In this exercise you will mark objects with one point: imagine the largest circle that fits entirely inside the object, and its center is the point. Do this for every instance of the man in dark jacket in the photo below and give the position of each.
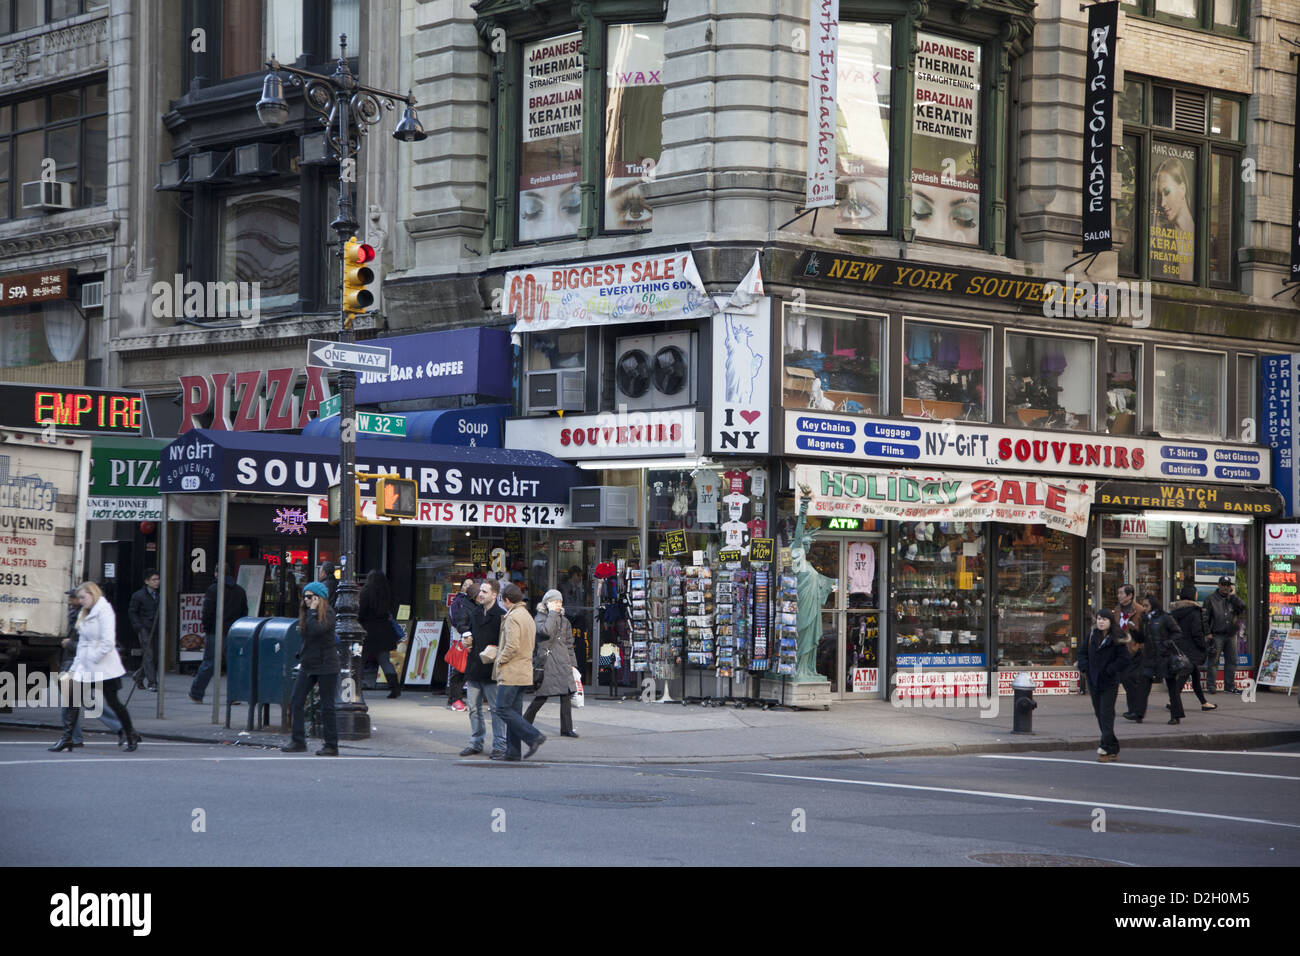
(1187, 613)
(1223, 611)
(143, 611)
(1131, 624)
(236, 606)
(485, 631)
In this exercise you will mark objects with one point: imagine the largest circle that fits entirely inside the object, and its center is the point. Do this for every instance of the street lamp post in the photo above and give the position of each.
(347, 108)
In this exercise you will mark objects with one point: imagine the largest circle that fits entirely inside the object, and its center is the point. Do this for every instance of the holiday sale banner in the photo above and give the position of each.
(937, 496)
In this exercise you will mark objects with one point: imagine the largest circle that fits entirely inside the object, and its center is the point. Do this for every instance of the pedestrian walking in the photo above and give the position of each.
(319, 665)
(1191, 624)
(461, 617)
(1223, 612)
(70, 714)
(374, 613)
(1103, 659)
(554, 657)
(327, 577)
(1159, 654)
(143, 612)
(513, 672)
(236, 606)
(485, 631)
(96, 662)
(1131, 621)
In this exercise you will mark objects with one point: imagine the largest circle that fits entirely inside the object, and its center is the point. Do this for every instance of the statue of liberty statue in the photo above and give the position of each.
(813, 590)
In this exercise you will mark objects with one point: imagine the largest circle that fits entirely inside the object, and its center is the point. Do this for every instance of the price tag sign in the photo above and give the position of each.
(478, 551)
(675, 542)
(729, 554)
(760, 549)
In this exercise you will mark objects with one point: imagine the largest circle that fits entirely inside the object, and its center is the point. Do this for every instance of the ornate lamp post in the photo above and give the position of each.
(347, 108)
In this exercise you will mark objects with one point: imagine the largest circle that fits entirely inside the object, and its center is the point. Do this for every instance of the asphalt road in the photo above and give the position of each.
(194, 805)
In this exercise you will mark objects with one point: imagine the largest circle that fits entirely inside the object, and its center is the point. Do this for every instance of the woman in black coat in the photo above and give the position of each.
(1187, 613)
(1162, 639)
(319, 657)
(1103, 658)
(374, 607)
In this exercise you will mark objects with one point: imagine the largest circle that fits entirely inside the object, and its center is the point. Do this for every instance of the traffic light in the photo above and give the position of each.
(395, 498)
(357, 275)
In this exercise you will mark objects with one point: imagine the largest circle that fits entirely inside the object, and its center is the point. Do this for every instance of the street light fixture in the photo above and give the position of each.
(346, 108)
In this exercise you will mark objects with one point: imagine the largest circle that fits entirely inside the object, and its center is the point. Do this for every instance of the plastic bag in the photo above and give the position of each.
(577, 696)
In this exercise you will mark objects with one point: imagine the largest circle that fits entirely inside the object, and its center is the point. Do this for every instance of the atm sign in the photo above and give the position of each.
(92, 410)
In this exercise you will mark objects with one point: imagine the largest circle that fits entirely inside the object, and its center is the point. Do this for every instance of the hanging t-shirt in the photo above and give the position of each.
(862, 567)
(735, 532)
(757, 528)
(707, 489)
(735, 480)
(735, 505)
(757, 481)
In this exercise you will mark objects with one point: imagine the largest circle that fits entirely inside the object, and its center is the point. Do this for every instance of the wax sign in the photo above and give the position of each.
(639, 289)
(741, 416)
(936, 496)
(965, 445)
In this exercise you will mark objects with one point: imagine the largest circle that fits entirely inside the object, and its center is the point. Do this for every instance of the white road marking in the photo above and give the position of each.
(1024, 798)
(1140, 766)
(96, 743)
(1237, 753)
(131, 758)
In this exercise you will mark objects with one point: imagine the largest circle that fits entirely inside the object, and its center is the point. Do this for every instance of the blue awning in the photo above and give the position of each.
(479, 426)
(207, 460)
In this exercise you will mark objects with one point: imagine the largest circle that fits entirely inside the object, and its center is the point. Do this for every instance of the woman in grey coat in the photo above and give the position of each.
(554, 657)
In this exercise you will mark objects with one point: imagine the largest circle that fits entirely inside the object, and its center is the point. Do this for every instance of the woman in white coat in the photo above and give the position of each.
(97, 661)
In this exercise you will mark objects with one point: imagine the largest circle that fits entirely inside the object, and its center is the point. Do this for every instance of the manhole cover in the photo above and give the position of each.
(1037, 859)
(1118, 826)
(618, 797)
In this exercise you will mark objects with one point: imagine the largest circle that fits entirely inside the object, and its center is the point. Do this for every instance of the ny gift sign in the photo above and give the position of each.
(937, 496)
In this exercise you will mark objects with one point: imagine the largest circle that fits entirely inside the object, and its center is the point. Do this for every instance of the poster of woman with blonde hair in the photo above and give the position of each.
(1173, 230)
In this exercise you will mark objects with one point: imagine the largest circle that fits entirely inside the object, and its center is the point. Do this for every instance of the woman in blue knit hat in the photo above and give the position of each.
(319, 658)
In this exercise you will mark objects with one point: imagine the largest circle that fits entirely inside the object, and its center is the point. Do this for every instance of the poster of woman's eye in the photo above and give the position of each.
(1172, 249)
(550, 161)
(633, 121)
(862, 125)
(945, 140)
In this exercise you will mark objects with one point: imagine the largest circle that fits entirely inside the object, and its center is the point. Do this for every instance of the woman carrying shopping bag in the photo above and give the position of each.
(554, 658)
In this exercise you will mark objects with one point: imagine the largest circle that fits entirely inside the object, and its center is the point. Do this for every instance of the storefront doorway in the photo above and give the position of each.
(848, 652)
(1141, 563)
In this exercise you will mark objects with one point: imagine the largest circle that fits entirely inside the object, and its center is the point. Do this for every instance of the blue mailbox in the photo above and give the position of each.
(277, 657)
(241, 661)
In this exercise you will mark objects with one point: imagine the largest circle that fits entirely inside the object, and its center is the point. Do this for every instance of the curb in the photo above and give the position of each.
(1228, 740)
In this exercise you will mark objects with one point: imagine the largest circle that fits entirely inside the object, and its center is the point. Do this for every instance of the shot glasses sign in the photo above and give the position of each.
(675, 542)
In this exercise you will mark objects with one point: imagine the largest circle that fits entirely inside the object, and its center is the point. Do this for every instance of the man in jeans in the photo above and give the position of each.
(514, 674)
(1222, 611)
(484, 630)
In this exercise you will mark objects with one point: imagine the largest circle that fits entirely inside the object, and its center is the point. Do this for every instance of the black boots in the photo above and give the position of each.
(64, 743)
(132, 741)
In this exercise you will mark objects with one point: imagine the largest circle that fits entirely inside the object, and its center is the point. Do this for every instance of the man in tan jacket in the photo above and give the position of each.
(513, 673)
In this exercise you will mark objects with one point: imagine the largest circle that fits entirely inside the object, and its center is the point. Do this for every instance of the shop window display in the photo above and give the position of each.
(1049, 382)
(445, 557)
(1123, 366)
(944, 371)
(833, 361)
(939, 593)
(1036, 623)
(1189, 394)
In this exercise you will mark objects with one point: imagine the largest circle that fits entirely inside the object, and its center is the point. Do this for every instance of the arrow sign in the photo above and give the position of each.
(357, 358)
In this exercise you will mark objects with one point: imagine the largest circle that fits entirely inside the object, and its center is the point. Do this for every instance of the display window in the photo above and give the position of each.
(945, 371)
(707, 509)
(1123, 388)
(1036, 597)
(563, 348)
(445, 557)
(1190, 392)
(1050, 382)
(834, 360)
(938, 581)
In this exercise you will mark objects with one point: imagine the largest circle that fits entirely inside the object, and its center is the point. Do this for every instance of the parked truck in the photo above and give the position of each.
(44, 490)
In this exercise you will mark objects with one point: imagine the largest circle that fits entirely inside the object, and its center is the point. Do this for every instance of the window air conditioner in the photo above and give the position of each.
(603, 506)
(92, 295)
(557, 390)
(45, 194)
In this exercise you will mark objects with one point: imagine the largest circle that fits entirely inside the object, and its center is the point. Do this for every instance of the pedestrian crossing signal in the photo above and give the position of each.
(396, 498)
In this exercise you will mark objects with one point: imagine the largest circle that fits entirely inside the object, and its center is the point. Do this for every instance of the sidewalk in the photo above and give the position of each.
(632, 732)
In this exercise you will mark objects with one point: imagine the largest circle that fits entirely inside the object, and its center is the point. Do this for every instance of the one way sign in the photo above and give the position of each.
(358, 358)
